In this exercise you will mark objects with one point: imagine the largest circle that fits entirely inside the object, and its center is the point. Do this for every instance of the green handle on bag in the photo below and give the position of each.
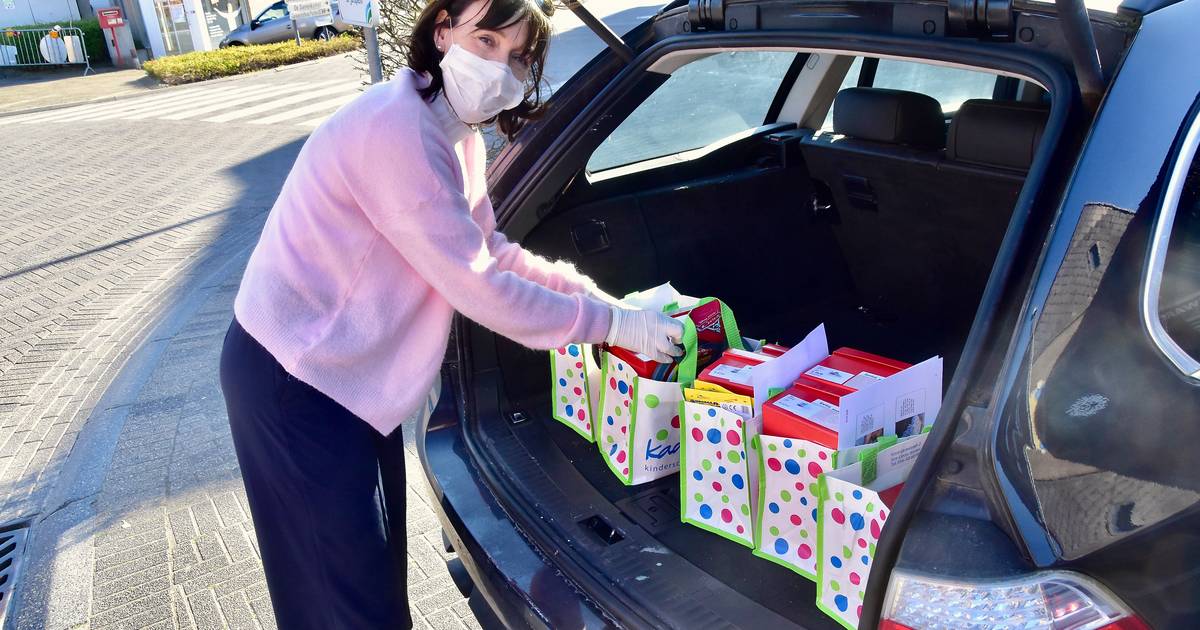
(687, 366)
(870, 456)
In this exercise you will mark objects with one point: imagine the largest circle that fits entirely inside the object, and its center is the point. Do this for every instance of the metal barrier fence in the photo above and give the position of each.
(59, 45)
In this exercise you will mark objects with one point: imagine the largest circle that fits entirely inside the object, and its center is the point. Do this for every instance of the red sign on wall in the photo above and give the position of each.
(110, 18)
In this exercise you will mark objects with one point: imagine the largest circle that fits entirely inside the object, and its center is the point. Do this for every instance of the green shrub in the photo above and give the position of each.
(201, 66)
(27, 43)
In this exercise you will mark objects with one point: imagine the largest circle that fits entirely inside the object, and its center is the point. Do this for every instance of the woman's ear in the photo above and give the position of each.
(441, 31)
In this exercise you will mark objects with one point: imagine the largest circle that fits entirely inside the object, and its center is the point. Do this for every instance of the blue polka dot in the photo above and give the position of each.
(781, 546)
(803, 500)
(742, 453)
(570, 410)
(697, 475)
(705, 511)
(620, 367)
(857, 494)
(835, 561)
(613, 449)
(721, 469)
(792, 466)
(737, 481)
(622, 387)
(610, 420)
(841, 602)
(714, 436)
(787, 444)
(856, 521)
(774, 507)
(574, 350)
(712, 412)
(562, 382)
(814, 514)
(866, 559)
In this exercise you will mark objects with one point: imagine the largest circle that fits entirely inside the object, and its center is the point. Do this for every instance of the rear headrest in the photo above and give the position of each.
(893, 116)
(997, 133)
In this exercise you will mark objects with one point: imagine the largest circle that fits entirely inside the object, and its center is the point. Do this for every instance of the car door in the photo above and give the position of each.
(274, 25)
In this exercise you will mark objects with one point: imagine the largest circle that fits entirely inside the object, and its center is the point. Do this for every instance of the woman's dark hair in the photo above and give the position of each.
(423, 55)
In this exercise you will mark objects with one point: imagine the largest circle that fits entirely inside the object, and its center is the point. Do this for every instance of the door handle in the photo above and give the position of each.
(590, 237)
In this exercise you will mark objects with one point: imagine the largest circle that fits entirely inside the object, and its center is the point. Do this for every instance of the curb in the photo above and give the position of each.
(161, 87)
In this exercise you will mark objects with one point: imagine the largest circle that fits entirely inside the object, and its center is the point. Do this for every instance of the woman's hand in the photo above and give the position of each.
(648, 332)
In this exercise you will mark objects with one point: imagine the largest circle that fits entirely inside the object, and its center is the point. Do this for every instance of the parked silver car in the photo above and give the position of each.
(274, 24)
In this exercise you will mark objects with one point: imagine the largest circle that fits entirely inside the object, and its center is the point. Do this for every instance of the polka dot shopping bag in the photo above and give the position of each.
(637, 422)
(855, 501)
(786, 527)
(574, 377)
(718, 488)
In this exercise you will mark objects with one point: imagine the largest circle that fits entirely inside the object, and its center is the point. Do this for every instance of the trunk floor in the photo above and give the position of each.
(774, 587)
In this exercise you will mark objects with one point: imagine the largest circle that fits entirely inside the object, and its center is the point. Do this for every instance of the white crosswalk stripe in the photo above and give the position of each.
(297, 103)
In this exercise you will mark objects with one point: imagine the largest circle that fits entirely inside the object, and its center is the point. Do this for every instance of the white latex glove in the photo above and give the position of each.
(648, 332)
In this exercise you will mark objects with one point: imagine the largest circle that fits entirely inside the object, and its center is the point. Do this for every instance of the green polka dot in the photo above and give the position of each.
(570, 373)
(870, 507)
(745, 509)
(734, 457)
(862, 594)
(770, 447)
(724, 498)
(833, 584)
(610, 439)
(871, 550)
(785, 495)
(699, 498)
(706, 465)
(651, 401)
(564, 399)
(774, 531)
(801, 453)
(661, 435)
(722, 423)
(846, 552)
(696, 417)
(812, 488)
(617, 412)
(804, 533)
(838, 496)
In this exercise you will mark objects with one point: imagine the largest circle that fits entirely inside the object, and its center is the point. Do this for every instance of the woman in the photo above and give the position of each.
(382, 230)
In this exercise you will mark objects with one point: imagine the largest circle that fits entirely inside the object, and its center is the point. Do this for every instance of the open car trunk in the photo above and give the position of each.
(889, 246)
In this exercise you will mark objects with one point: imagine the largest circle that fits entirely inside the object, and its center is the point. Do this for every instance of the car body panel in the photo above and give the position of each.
(281, 29)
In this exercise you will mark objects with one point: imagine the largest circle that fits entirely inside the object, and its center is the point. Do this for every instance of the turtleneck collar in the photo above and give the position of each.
(456, 130)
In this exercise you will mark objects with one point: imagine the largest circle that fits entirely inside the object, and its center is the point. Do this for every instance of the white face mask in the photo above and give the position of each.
(478, 88)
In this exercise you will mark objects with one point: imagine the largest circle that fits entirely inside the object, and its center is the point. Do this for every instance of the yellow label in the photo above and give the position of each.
(715, 398)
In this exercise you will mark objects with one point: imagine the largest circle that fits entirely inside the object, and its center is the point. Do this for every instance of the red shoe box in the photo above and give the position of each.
(729, 371)
(641, 364)
(848, 370)
(773, 349)
(803, 412)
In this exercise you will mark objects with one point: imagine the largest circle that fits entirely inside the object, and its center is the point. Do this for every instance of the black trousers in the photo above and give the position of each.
(321, 485)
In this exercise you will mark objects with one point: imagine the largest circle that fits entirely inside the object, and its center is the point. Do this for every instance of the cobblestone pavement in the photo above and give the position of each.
(122, 253)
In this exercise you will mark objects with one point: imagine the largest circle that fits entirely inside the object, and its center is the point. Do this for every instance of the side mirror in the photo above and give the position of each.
(255, 24)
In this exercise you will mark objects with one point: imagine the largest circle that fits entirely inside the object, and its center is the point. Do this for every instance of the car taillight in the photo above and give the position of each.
(1054, 600)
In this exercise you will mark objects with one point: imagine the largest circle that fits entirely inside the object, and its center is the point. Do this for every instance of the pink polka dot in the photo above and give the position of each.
(804, 551)
(800, 486)
(589, 426)
(697, 434)
(718, 454)
(739, 423)
(859, 611)
(882, 515)
(562, 350)
(854, 578)
(837, 515)
(675, 422)
(578, 391)
(579, 364)
(862, 542)
(726, 515)
(814, 469)
(624, 428)
(795, 519)
(822, 455)
(612, 383)
(773, 464)
(621, 457)
(581, 414)
(733, 437)
(626, 402)
(717, 486)
(875, 529)
(624, 471)
(741, 529)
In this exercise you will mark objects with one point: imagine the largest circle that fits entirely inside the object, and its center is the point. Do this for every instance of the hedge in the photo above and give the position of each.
(201, 66)
(27, 50)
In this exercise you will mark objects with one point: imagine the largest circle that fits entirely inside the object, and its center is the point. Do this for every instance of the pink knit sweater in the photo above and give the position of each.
(382, 230)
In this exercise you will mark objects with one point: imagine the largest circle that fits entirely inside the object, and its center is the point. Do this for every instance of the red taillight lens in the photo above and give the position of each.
(1052, 600)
